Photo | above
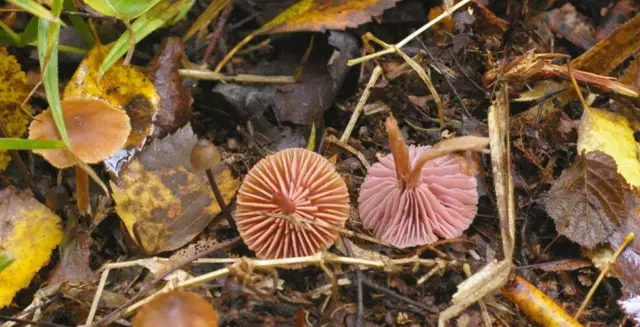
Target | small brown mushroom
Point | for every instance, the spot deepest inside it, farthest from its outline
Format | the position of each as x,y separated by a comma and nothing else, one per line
96,131
295,182
176,309
206,156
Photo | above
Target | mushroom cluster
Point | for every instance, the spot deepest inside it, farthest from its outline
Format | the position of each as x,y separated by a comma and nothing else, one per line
295,182
409,201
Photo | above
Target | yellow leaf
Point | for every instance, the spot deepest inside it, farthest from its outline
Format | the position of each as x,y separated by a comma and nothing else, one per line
13,91
612,134
29,231
162,201
125,88
322,15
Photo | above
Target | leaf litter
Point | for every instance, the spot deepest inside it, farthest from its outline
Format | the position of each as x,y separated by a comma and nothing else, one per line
557,190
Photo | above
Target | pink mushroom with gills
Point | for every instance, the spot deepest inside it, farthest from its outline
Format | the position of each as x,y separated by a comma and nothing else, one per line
294,182
417,193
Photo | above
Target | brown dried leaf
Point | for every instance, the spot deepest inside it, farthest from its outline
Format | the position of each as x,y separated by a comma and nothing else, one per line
322,15
175,99
572,25
162,201
589,200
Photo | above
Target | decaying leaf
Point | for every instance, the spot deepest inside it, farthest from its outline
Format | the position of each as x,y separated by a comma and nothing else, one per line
13,91
612,134
125,88
29,231
322,15
572,25
162,201
540,308
589,200
175,104
75,250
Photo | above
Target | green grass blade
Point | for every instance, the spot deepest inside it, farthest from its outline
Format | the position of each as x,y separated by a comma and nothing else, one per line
5,261
26,144
48,37
79,24
163,13
12,36
38,10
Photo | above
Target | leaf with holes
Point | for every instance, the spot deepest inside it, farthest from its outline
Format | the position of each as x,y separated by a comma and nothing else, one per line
589,200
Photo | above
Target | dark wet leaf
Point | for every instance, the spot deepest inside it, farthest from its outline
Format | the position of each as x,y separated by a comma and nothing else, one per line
73,265
588,201
572,25
175,99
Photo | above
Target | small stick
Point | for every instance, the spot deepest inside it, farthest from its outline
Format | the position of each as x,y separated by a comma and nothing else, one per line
408,39
217,32
363,100
604,272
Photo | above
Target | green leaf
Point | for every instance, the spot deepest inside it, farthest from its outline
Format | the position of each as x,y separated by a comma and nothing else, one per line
79,24
37,9
122,9
48,37
311,144
163,13
30,33
5,261
26,144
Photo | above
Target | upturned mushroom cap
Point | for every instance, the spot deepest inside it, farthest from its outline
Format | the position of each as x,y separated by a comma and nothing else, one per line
96,131
292,181
176,309
405,211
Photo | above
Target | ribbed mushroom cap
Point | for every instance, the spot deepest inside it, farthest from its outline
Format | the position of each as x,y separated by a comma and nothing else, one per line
96,131
292,181
443,202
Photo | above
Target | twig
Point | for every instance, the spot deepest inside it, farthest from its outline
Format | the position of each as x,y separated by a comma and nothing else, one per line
604,272
30,322
363,100
217,32
408,39
358,154
395,295
115,314
359,278
483,307
244,78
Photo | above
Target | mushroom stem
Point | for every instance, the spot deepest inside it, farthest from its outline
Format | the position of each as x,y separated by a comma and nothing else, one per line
82,191
399,150
219,198
443,148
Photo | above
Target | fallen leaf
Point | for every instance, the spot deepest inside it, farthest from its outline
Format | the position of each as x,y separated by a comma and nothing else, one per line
162,201
612,134
29,231
616,16
322,15
125,88
567,22
541,309
13,91
75,249
588,201
175,99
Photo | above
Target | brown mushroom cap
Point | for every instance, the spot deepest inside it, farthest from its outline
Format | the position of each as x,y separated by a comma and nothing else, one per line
176,309
96,131
204,155
292,181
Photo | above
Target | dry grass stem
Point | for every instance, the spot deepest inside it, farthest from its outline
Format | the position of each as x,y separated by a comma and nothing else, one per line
363,100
